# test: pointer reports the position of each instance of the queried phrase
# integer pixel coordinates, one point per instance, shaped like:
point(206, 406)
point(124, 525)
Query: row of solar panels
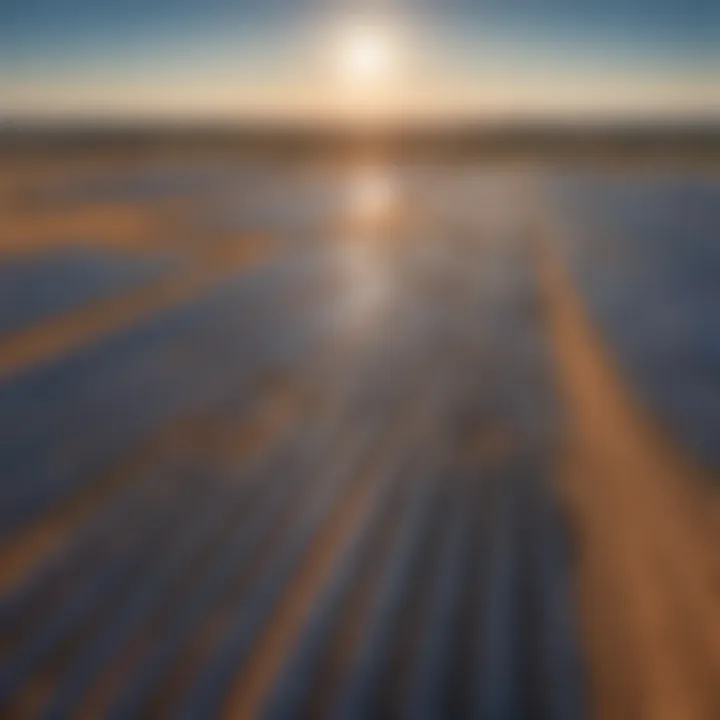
point(450, 598)
point(458, 578)
point(645, 253)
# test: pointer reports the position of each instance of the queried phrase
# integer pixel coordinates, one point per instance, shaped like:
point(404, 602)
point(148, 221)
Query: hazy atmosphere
point(359, 360)
point(284, 59)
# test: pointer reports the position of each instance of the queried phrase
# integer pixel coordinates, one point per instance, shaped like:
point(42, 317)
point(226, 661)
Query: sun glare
point(371, 197)
point(366, 56)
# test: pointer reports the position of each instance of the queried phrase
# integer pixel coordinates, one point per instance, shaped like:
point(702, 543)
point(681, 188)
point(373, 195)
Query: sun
point(366, 56)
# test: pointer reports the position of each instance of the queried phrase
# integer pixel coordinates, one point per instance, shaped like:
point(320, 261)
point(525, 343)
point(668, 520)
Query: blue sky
point(233, 56)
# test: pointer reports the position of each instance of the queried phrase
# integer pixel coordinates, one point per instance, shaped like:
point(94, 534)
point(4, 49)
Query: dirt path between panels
point(647, 557)
point(48, 341)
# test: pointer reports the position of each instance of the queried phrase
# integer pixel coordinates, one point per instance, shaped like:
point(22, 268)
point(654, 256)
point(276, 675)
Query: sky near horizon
point(293, 59)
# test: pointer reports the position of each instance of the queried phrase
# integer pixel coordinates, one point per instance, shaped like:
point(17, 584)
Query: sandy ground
point(33, 220)
point(646, 557)
point(46, 342)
